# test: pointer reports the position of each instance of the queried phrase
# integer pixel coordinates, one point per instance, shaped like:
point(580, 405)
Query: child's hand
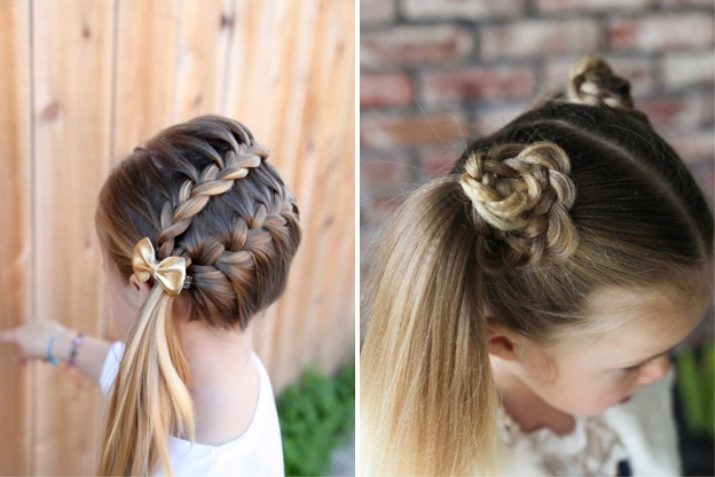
point(31, 338)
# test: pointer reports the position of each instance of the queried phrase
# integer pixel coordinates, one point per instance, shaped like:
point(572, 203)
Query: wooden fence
point(82, 82)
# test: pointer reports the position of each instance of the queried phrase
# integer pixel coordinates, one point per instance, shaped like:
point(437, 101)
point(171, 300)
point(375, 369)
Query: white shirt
point(642, 431)
point(256, 452)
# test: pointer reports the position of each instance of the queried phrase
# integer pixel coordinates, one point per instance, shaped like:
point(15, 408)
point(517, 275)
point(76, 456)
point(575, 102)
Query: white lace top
point(645, 426)
point(591, 449)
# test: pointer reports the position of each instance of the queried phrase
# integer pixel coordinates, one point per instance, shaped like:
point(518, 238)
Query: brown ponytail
point(427, 397)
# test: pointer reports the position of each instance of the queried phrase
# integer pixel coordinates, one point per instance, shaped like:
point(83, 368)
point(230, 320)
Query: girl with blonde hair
point(520, 309)
point(198, 231)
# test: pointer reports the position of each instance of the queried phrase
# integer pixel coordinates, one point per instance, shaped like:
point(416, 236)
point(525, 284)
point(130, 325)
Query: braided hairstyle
point(592, 81)
point(577, 194)
point(202, 190)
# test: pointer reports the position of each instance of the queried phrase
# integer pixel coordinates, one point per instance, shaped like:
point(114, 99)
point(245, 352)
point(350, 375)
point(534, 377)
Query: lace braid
point(521, 195)
point(227, 264)
point(221, 268)
point(194, 194)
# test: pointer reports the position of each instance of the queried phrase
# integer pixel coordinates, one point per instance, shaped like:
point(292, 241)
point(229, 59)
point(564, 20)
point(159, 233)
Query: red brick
point(682, 114)
point(381, 90)
point(640, 72)
point(414, 44)
point(491, 119)
point(687, 3)
point(691, 146)
point(377, 11)
point(379, 208)
point(671, 31)
point(463, 9)
point(527, 38)
point(685, 70)
point(386, 131)
point(551, 6)
point(704, 174)
point(380, 169)
point(708, 109)
point(478, 82)
point(437, 161)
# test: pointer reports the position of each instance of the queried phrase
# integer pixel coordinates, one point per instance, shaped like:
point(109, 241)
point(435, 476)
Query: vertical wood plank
point(204, 42)
point(15, 235)
point(278, 106)
point(306, 120)
point(72, 54)
point(335, 197)
point(146, 54)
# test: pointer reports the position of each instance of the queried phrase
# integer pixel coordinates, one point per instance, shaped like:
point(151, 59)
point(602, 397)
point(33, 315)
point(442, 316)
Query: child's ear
point(502, 342)
point(139, 289)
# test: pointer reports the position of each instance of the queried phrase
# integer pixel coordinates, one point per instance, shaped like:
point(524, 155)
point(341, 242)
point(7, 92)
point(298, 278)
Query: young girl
point(198, 231)
point(521, 308)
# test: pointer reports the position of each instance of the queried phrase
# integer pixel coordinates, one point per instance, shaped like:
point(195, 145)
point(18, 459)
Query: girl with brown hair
point(198, 232)
point(521, 308)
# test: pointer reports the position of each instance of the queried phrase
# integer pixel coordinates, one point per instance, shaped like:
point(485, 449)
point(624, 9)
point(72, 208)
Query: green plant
point(697, 389)
point(316, 415)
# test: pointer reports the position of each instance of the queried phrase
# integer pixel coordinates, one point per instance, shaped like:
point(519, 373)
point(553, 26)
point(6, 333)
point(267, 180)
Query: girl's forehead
point(625, 305)
point(639, 323)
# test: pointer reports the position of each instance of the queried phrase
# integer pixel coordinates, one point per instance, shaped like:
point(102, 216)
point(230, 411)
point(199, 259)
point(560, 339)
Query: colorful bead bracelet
point(49, 358)
point(73, 352)
point(76, 341)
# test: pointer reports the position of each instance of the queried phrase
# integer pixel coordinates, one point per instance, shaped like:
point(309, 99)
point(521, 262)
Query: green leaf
point(316, 415)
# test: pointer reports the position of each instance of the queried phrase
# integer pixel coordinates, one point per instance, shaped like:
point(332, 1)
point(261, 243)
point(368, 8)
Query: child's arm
point(31, 339)
point(90, 353)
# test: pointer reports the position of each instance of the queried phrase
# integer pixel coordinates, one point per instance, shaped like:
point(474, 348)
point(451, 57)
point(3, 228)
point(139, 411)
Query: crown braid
point(521, 195)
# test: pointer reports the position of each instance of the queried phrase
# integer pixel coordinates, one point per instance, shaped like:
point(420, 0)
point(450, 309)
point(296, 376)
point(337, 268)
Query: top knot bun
point(524, 193)
point(593, 82)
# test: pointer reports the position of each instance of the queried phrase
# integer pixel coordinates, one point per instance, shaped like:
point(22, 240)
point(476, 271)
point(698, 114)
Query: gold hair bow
point(170, 272)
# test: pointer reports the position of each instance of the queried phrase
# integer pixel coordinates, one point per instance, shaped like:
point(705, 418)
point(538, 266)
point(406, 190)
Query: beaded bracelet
point(49, 358)
point(73, 352)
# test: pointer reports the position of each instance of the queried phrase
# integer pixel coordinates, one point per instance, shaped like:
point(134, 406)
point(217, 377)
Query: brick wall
point(436, 72)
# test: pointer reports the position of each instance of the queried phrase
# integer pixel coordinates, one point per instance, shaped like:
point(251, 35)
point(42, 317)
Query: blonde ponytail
point(427, 397)
point(150, 396)
point(564, 200)
point(427, 387)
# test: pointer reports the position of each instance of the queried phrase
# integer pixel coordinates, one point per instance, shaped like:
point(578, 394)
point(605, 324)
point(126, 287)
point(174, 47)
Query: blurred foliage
point(696, 386)
point(317, 414)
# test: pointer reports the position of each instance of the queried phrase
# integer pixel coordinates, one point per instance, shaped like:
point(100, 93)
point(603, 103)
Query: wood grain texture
point(15, 232)
point(72, 74)
point(89, 80)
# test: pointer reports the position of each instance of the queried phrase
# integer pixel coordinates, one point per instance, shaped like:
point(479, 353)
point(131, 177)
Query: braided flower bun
point(521, 195)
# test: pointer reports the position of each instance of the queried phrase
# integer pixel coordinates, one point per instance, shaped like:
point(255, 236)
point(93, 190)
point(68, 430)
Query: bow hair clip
point(170, 272)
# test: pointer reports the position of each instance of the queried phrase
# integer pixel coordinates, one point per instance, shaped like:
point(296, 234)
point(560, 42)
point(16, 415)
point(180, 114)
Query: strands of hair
point(203, 190)
point(578, 193)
